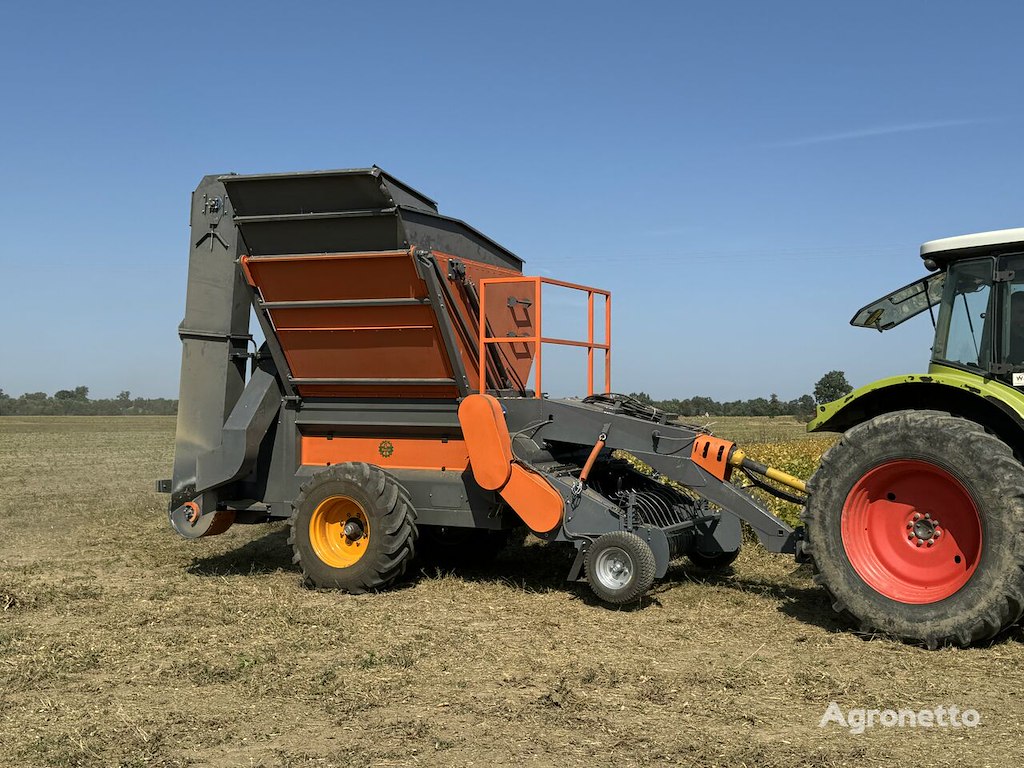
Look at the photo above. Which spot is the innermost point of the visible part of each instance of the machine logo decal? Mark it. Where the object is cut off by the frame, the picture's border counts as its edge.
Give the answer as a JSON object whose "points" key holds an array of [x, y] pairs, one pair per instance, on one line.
{"points": [[385, 448]]}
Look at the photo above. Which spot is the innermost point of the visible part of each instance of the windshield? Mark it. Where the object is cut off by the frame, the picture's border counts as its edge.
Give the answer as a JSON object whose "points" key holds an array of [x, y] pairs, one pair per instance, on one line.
{"points": [[902, 304], [964, 333], [1011, 344]]}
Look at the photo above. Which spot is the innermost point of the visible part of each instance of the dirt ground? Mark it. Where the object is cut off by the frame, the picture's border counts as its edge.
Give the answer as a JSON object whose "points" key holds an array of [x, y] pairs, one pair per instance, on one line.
{"points": [[123, 645]]}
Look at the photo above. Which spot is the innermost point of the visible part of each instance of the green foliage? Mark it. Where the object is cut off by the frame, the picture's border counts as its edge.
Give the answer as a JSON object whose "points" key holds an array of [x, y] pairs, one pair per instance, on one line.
{"points": [[702, 406], [831, 386], [76, 402]]}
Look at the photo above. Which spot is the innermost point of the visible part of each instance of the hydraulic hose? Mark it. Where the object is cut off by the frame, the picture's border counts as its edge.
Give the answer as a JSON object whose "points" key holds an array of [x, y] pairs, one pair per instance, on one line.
{"points": [[737, 458]]}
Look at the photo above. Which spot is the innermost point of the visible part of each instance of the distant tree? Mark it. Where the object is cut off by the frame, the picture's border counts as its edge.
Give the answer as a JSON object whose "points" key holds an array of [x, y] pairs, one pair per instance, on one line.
{"points": [[78, 393], [774, 406], [831, 386], [76, 402], [643, 397], [803, 406]]}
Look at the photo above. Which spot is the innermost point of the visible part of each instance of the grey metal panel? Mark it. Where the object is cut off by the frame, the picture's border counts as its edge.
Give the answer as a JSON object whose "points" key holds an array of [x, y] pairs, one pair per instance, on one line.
{"points": [[282, 482], [242, 433], [717, 536], [386, 414], [359, 210], [214, 335], [350, 234], [346, 188], [452, 499], [455, 237]]}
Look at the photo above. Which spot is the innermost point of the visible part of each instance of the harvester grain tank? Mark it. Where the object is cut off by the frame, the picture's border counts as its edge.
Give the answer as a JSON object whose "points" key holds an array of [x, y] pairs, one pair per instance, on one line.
{"points": [[398, 398]]}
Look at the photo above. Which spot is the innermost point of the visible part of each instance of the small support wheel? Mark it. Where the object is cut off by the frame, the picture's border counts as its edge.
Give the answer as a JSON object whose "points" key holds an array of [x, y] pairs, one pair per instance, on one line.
{"points": [[354, 528], [620, 567], [714, 562]]}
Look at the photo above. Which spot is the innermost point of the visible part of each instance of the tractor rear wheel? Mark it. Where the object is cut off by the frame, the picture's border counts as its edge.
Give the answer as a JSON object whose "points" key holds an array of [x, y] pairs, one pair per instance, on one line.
{"points": [[915, 526], [620, 567], [353, 528]]}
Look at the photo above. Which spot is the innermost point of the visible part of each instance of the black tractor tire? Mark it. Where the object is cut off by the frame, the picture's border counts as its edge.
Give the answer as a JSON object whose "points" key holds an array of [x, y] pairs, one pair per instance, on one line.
{"points": [[380, 507], [620, 567], [447, 546], [937, 467], [716, 562]]}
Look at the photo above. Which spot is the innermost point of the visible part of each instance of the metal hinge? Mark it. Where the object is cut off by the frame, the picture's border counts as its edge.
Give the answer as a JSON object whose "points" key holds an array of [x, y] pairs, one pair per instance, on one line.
{"points": [[456, 269]]}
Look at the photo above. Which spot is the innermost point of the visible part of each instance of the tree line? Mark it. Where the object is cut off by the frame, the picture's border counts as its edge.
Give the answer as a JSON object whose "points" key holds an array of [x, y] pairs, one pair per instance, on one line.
{"points": [[76, 402], [831, 386]]}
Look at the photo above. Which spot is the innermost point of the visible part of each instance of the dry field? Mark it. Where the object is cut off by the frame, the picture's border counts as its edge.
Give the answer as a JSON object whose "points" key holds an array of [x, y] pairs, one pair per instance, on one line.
{"points": [[122, 645]]}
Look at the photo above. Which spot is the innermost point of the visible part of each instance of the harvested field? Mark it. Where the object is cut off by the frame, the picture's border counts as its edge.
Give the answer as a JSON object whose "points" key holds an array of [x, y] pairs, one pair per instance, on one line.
{"points": [[123, 645]]}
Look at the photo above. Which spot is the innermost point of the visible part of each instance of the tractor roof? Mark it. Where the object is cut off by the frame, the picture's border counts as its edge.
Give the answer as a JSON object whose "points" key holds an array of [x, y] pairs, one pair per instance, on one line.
{"points": [[977, 244]]}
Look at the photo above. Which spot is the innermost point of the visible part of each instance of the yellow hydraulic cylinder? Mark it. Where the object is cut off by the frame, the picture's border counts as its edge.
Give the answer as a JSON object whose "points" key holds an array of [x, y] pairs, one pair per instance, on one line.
{"points": [[739, 459]]}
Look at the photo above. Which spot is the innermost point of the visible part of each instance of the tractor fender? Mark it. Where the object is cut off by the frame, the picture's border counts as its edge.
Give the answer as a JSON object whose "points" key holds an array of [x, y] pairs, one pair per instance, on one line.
{"points": [[996, 406]]}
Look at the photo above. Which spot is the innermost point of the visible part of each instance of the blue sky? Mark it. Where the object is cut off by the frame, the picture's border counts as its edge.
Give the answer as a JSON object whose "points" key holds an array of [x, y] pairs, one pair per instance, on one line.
{"points": [[742, 176]]}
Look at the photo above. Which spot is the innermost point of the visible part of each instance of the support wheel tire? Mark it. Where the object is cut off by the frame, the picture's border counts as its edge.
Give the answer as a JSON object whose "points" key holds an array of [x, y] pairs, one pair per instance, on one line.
{"points": [[914, 526], [620, 567], [353, 528], [716, 562]]}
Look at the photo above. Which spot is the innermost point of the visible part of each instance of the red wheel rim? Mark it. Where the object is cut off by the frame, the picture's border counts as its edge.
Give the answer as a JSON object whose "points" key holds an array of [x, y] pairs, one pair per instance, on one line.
{"points": [[912, 531]]}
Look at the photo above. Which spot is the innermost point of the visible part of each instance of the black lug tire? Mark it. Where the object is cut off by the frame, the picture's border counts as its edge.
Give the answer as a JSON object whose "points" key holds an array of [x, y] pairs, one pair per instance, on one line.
{"points": [[642, 567], [392, 524], [716, 562], [993, 598]]}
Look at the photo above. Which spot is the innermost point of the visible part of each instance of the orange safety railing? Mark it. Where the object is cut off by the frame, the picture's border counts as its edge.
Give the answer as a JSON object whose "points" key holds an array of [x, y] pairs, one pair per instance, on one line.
{"points": [[540, 339]]}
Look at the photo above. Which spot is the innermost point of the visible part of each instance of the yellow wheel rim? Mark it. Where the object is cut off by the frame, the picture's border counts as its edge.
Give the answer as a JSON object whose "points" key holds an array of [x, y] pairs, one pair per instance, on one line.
{"points": [[339, 531]]}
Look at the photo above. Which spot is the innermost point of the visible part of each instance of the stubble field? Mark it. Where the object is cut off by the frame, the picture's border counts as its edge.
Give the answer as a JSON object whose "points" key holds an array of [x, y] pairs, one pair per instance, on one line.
{"points": [[123, 645]]}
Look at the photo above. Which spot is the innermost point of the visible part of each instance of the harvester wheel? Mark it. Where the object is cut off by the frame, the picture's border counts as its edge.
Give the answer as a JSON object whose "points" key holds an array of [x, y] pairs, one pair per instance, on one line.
{"points": [[915, 526], [715, 562], [353, 528], [620, 567]]}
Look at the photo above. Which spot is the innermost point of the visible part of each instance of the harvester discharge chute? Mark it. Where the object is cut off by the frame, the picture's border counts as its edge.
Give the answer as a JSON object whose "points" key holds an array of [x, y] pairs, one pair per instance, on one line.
{"points": [[398, 399]]}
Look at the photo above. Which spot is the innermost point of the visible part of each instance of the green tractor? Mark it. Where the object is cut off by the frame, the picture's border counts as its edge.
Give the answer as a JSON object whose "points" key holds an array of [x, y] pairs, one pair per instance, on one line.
{"points": [[915, 523]]}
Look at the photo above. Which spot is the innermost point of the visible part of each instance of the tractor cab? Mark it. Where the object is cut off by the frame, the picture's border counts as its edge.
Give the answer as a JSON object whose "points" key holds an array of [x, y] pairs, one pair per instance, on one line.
{"points": [[975, 298]]}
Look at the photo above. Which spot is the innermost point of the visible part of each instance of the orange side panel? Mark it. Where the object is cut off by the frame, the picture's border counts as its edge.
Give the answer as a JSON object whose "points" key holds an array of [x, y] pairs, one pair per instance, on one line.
{"points": [[389, 453], [382, 275], [486, 433], [402, 341], [372, 353], [518, 318], [712, 453], [533, 499]]}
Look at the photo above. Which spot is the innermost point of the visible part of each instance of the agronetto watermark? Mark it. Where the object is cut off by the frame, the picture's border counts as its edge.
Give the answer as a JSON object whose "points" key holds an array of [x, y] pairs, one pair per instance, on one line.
{"points": [[859, 720]]}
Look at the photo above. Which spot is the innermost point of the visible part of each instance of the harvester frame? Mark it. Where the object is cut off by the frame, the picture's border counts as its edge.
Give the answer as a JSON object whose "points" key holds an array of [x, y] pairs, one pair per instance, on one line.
{"points": [[390, 399]]}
